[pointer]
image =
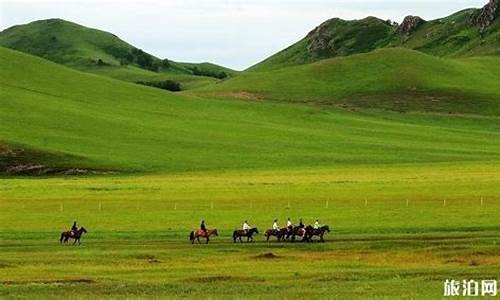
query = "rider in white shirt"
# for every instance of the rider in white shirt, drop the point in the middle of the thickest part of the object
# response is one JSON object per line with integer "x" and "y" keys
{"x": 289, "y": 224}
{"x": 316, "y": 225}
{"x": 275, "y": 225}
{"x": 246, "y": 227}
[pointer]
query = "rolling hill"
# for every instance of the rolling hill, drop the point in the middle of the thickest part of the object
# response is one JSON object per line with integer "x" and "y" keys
{"x": 471, "y": 32}
{"x": 100, "y": 52}
{"x": 60, "y": 117}
{"x": 395, "y": 79}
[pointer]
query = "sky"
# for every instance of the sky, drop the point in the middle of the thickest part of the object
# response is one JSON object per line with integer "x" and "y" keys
{"x": 232, "y": 33}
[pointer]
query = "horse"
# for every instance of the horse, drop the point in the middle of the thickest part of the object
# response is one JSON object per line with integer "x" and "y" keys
{"x": 237, "y": 234}
{"x": 196, "y": 234}
{"x": 75, "y": 234}
{"x": 279, "y": 234}
{"x": 310, "y": 232}
{"x": 296, "y": 231}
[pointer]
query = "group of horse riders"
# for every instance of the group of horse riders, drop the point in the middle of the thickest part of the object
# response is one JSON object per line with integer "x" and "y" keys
{"x": 306, "y": 232}
{"x": 303, "y": 231}
{"x": 289, "y": 225}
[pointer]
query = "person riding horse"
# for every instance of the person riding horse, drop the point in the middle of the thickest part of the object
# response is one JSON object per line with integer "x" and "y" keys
{"x": 74, "y": 229}
{"x": 289, "y": 224}
{"x": 301, "y": 224}
{"x": 246, "y": 227}
{"x": 316, "y": 225}
{"x": 203, "y": 227}
{"x": 276, "y": 228}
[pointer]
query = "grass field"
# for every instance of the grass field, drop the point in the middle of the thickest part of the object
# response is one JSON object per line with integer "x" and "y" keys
{"x": 412, "y": 197}
{"x": 138, "y": 245}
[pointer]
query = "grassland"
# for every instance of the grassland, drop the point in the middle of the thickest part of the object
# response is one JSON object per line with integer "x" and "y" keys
{"x": 138, "y": 226}
{"x": 412, "y": 197}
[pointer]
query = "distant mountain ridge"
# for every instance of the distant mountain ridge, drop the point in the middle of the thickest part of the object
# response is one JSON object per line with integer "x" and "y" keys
{"x": 470, "y": 32}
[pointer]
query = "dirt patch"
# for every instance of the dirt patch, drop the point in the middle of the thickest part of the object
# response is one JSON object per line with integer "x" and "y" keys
{"x": 267, "y": 255}
{"x": 20, "y": 161}
{"x": 218, "y": 278}
{"x": 55, "y": 282}
{"x": 147, "y": 257}
{"x": 241, "y": 95}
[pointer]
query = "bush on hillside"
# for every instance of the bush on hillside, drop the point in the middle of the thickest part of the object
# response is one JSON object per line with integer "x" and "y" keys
{"x": 200, "y": 72}
{"x": 168, "y": 85}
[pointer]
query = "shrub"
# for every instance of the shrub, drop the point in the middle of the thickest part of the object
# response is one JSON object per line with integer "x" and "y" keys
{"x": 168, "y": 85}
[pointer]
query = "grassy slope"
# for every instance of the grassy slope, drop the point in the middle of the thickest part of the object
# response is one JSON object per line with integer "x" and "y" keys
{"x": 451, "y": 36}
{"x": 117, "y": 124}
{"x": 80, "y": 47}
{"x": 396, "y": 79}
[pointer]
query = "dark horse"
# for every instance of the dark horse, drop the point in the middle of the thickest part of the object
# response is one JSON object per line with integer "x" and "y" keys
{"x": 297, "y": 232}
{"x": 237, "y": 234}
{"x": 196, "y": 234}
{"x": 279, "y": 234}
{"x": 75, "y": 234}
{"x": 310, "y": 232}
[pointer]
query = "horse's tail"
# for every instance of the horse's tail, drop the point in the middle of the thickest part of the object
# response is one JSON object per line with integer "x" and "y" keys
{"x": 62, "y": 237}
{"x": 191, "y": 236}
{"x": 235, "y": 233}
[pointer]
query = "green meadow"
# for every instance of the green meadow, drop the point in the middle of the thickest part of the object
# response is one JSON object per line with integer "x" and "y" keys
{"x": 397, "y": 232}
{"x": 397, "y": 150}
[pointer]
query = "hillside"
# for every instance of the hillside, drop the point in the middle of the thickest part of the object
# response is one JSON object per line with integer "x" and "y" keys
{"x": 471, "y": 32}
{"x": 100, "y": 52}
{"x": 65, "y": 118}
{"x": 390, "y": 79}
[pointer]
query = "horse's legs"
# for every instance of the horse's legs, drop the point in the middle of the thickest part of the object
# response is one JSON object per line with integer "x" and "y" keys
{"x": 74, "y": 242}
{"x": 208, "y": 239}
{"x": 198, "y": 238}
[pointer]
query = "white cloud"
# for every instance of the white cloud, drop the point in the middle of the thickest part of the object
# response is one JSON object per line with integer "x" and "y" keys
{"x": 235, "y": 33}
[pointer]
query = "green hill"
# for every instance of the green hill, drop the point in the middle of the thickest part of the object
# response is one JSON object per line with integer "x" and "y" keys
{"x": 391, "y": 79}
{"x": 61, "y": 117}
{"x": 471, "y": 32}
{"x": 100, "y": 52}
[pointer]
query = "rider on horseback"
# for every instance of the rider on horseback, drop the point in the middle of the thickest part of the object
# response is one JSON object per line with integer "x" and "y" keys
{"x": 317, "y": 225}
{"x": 203, "y": 227}
{"x": 276, "y": 228}
{"x": 246, "y": 227}
{"x": 74, "y": 228}
{"x": 301, "y": 224}
{"x": 289, "y": 224}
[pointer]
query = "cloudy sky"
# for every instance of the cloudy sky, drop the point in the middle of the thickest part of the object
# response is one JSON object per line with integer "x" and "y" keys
{"x": 233, "y": 33}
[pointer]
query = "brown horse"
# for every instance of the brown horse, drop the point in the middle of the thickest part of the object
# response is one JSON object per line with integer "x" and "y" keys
{"x": 238, "y": 234}
{"x": 74, "y": 234}
{"x": 196, "y": 234}
{"x": 310, "y": 232}
{"x": 279, "y": 234}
